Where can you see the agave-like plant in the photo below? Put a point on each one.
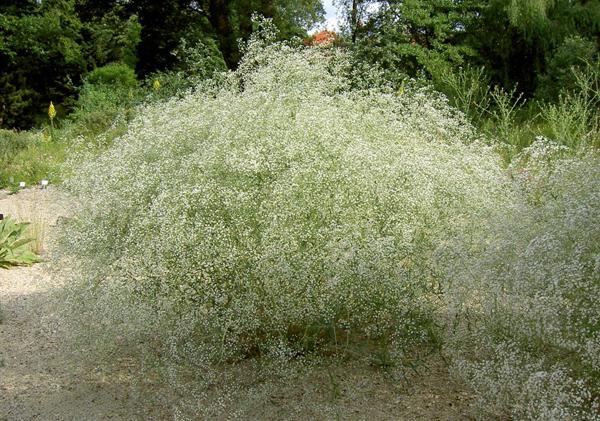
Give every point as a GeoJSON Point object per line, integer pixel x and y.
{"type": "Point", "coordinates": [13, 241]}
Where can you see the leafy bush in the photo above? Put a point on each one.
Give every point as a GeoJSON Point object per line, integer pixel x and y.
{"type": "Point", "coordinates": [200, 60]}
{"type": "Point", "coordinates": [196, 63]}
{"type": "Point", "coordinates": [279, 213]}
{"type": "Point", "coordinates": [571, 56]}
{"type": "Point", "coordinates": [524, 294]}
{"type": "Point", "coordinates": [105, 102]}
{"type": "Point", "coordinates": [13, 245]}
{"type": "Point", "coordinates": [574, 119]}
{"type": "Point", "coordinates": [115, 75]}
{"type": "Point", "coordinates": [98, 108]}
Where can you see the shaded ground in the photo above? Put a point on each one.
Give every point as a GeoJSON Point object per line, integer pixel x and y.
{"type": "Point", "coordinates": [42, 378]}
{"type": "Point", "coordinates": [39, 377]}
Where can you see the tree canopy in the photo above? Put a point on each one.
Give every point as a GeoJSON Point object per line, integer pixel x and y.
{"type": "Point", "coordinates": [47, 47]}
{"type": "Point", "coordinates": [520, 43]}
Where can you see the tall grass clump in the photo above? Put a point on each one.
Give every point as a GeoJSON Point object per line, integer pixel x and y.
{"type": "Point", "coordinates": [278, 213]}
{"type": "Point", "coordinates": [574, 120]}
{"type": "Point", "coordinates": [29, 157]}
{"type": "Point", "coordinates": [524, 293]}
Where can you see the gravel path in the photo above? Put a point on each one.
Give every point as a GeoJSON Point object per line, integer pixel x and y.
{"type": "Point", "coordinates": [39, 378]}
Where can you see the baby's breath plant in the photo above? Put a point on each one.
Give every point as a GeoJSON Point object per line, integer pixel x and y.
{"type": "Point", "coordinates": [279, 212]}
{"type": "Point", "coordinates": [524, 294]}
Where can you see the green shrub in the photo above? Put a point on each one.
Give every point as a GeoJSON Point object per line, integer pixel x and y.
{"type": "Point", "coordinates": [279, 213]}
{"type": "Point", "coordinates": [201, 60]}
{"type": "Point", "coordinates": [106, 102]}
{"type": "Point", "coordinates": [195, 64]}
{"type": "Point", "coordinates": [574, 119]}
{"type": "Point", "coordinates": [115, 75]}
{"type": "Point", "coordinates": [570, 120]}
{"type": "Point", "coordinates": [13, 245]}
{"type": "Point", "coordinates": [468, 89]}
{"type": "Point", "coordinates": [571, 56]}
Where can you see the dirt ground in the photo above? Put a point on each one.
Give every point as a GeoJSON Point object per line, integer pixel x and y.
{"type": "Point", "coordinates": [39, 379]}
{"type": "Point", "coordinates": [42, 378]}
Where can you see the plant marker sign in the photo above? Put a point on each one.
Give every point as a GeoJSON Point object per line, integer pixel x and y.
{"type": "Point", "coordinates": [44, 183]}
{"type": "Point", "coordinates": [22, 184]}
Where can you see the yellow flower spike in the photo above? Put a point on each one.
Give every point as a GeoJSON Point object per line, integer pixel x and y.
{"type": "Point", "coordinates": [51, 111]}
{"type": "Point", "coordinates": [156, 85]}
{"type": "Point", "coordinates": [401, 90]}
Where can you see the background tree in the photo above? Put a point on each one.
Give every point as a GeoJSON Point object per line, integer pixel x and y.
{"type": "Point", "coordinates": [41, 57]}
{"type": "Point", "coordinates": [518, 42]}
{"type": "Point", "coordinates": [47, 48]}
{"type": "Point", "coordinates": [406, 37]}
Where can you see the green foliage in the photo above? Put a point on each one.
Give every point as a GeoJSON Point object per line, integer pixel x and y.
{"type": "Point", "coordinates": [529, 14]}
{"type": "Point", "coordinates": [46, 48]}
{"type": "Point", "coordinates": [410, 37]}
{"type": "Point", "coordinates": [195, 64]}
{"type": "Point", "coordinates": [114, 75]}
{"type": "Point", "coordinates": [569, 58]}
{"type": "Point", "coordinates": [468, 89]}
{"type": "Point", "coordinates": [504, 115]}
{"type": "Point", "coordinates": [13, 142]}
{"type": "Point", "coordinates": [29, 157]}
{"type": "Point", "coordinates": [199, 61]}
{"type": "Point", "coordinates": [102, 111]}
{"type": "Point", "coordinates": [528, 44]}
{"type": "Point", "coordinates": [45, 53]}
{"type": "Point", "coordinates": [39, 52]}
{"type": "Point", "coordinates": [106, 102]}
{"type": "Point", "coordinates": [573, 121]}
{"type": "Point", "coordinates": [517, 40]}
{"type": "Point", "coordinates": [13, 242]}
{"type": "Point", "coordinates": [112, 38]}
{"type": "Point", "coordinates": [233, 20]}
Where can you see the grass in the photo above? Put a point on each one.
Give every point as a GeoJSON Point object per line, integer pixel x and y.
{"type": "Point", "coordinates": [30, 157]}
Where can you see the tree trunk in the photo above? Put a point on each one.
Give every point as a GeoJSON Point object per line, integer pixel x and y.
{"type": "Point", "coordinates": [354, 19]}
{"type": "Point", "coordinates": [219, 19]}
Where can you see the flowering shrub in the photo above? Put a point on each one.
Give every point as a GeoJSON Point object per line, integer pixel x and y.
{"type": "Point", "coordinates": [524, 294]}
{"type": "Point", "coordinates": [279, 212]}
{"type": "Point", "coordinates": [292, 207]}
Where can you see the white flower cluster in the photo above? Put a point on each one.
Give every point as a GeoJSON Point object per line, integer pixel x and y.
{"type": "Point", "coordinates": [284, 209]}
{"type": "Point", "coordinates": [526, 289]}
{"type": "Point", "coordinates": [281, 212]}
